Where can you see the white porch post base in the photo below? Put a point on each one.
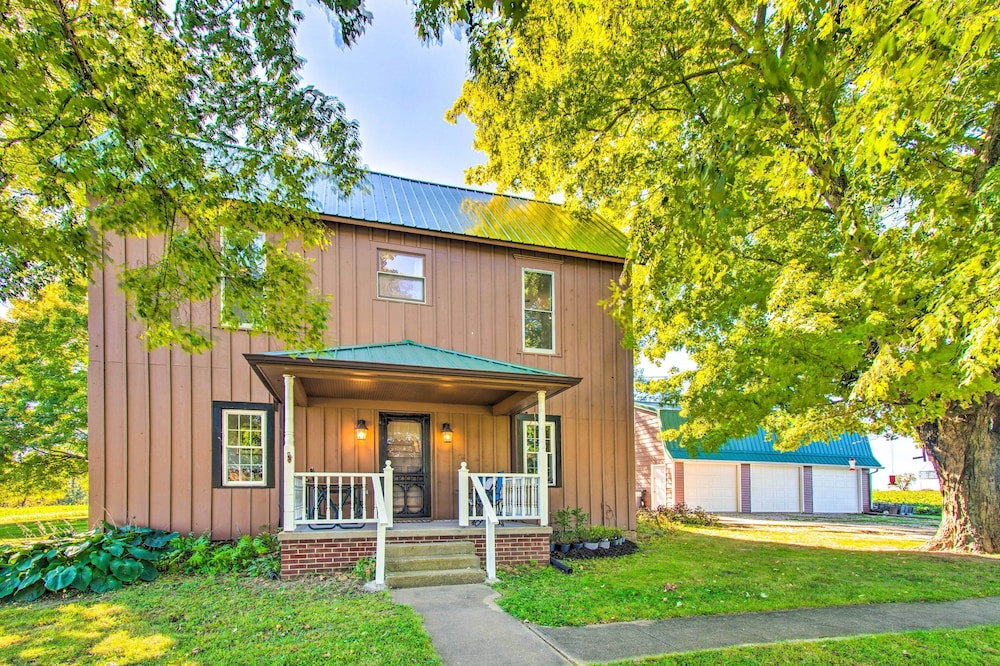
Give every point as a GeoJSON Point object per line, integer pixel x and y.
{"type": "Point", "coordinates": [491, 552]}
{"type": "Point", "coordinates": [463, 495]}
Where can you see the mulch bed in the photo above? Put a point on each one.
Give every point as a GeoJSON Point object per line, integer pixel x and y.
{"type": "Point", "coordinates": [626, 548]}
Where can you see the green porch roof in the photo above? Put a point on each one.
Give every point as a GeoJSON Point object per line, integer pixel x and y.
{"type": "Point", "coordinates": [410, 353]}
{"type": "Point", "coordinates": [407, 371]}
{"type": "Point", "coordinates": [415, 204]}
{"type": "Point", "coordinates": [758, 448]}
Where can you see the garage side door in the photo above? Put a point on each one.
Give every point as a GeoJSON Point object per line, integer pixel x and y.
{"type": "Point", "coordinates": [774, 488]}
{"type": "Point", "coordinates": [712, 487]}
{"type": "Point", "coordinates": [835, 490]}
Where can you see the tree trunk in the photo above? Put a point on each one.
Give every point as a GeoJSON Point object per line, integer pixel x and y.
{"type": "Point", "coordinates": [965, 448]}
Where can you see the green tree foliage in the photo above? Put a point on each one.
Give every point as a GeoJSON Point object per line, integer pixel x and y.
{"type": "Point", "coordinates": [124, 118]}
{"type": "Point", "coordinates": [811, 192]}
{"type": "Point", "coordinates": [43, 390]}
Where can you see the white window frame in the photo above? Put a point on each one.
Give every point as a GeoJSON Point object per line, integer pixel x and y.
{"type": "Point", "coordinates": [525, 310]}
{"type": "Point", "coordinates": [224, 320]}
{"type": "Point", "coordinates": [264, 429]}
{"type": "Point", "coordinates": [422, 278]}
{"type": "Point", "coordinates": [527, 451]}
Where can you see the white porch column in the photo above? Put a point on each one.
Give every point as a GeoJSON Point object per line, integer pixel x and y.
{"type": "Point", "coordinates": [543, 464]}
{"type": "Point", "coordinates": [288, 457]}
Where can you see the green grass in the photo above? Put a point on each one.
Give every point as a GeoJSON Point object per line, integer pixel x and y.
{"type": "Point", "coordinates": [20, 524]}
{"type": "Point", "coordinates": [979, 645]}
{"type": "Point", "coordinates": [707, 571]}
{"type": "Point", "coordinates": [216, 620]}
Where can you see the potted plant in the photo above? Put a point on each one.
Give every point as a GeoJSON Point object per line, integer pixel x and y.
{"type": "Point", "coordinates": [617, 536]}
{"type": "Point", "coordinates": [579, 525]}
{"type": "Point", "coordinates": [562, 532]}
{"type": "Point", "coordinates": [604, 537]}
{"type": "Point", "coordinates": [591, 537]}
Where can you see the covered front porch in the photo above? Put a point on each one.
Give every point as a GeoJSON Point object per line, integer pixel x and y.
{"type": "Point", "coordinates": [412, 447]}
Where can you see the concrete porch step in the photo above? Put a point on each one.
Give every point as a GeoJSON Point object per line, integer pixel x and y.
{"type": "Point", "coordinates": [431, 562]}
{"type": "Point", "coordinates": [395, 550]}
{"type": "Point", "coordinates": [403, 579]}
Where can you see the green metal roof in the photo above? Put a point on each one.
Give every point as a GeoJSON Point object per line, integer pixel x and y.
{"type": "Point", "coordinates": [758, 448]}
{"type": "Point", "coordinates": [455, 210]}
{"type": "Point", "coordinates": [410, 353]}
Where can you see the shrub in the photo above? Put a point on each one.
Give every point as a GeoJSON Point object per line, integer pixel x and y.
{"type": "Point", "coordinates": [101, 560]}
{"type": "Point", "coordinates": [364, 570]}
{"type": "Point", "coordinates": [664, 517]}
{"type": "Point", "coordinates": [253, 556]}
{"type": "Point", "coordinates": [924, 502]}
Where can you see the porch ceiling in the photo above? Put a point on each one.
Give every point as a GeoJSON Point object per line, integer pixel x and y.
{"type": "Point", "coordinates": [504, 392]}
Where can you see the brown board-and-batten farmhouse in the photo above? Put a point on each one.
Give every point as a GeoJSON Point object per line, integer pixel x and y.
{"type": "Point", "coordinates": [459, 321]}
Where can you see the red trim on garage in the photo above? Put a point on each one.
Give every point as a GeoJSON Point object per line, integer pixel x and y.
{"type": "Point", "coordinates": [678, 483]}
{"type": "Point", "coordinates": [807, 489]}
{"type": "Point", "coordinates": [745, 488]}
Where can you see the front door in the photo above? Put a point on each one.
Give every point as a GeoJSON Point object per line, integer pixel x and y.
{"type": "Point", "coordinates": [404, 439]}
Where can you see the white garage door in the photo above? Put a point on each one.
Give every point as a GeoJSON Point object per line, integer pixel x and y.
{"type": "Point", "coordinates": [835, 490]}
{"type": "Point", "coordinates": [712, 487]}
{"type": "Point", "coordinates": [774, 488]}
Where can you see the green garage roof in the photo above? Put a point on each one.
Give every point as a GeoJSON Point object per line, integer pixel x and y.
{"type": "Point", "coordinates": [758, 448]}
{"type": "Point", "coordinates": [455, 210]}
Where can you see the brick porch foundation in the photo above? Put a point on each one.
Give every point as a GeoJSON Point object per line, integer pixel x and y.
{"type": "Point", "coordinates": [309, 552]}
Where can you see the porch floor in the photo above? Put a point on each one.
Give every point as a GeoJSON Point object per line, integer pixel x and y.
{"type": "Point", "coordinates": [412, 528]}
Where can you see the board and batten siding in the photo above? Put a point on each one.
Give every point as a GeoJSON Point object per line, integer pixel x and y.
{"type": "Point", "coordinates": [150, 413]}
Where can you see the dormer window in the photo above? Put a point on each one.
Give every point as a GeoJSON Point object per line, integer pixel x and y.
{"type": "Point", "coordinates": [401, 276]}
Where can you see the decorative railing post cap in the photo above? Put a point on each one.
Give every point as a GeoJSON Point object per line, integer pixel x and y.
{"type": "Point", "coordinates": [463, 465]}
{"type": "Point", "coordinates": [388, 464]}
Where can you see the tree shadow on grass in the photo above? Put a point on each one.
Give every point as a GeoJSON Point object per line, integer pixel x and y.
{"type": "Point", "coordinates": [59, 633]}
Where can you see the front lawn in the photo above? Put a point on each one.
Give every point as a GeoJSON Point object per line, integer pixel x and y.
{"type": "Point", "coordinates": [216, 620]}
{"type": "Point", "coordinates": [707, 571]}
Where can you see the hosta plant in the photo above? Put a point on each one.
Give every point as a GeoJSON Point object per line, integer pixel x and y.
{"type": "Point", "coordinates": [101, 560]}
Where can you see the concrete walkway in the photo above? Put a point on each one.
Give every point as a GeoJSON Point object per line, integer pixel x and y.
{"type": "Point", "coordinates": [467, 627]}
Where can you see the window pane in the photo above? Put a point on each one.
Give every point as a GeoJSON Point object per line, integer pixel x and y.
{"type": "Point", "coordinates": [405, 288]}
{"type": "Point", "coordinates": [243, 446]}
{"type": "Point", "coordinates": [538, 330]}
{"type": "Point", "coordinates": [537, 291]}
{"type": "Point", "coordinates": [400, 264]}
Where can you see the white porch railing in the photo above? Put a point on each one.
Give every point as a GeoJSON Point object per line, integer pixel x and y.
{"type": "Point", "coordinates": [339, 499]}
{"type": "Point", "coordinates": [511, 496]}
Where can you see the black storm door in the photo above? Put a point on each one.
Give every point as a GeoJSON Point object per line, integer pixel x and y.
{"type": "Point", "coordinates": [404, 439]}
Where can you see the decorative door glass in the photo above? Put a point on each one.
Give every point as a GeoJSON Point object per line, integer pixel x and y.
{"type": "Point", "coordinates": [405, 440]}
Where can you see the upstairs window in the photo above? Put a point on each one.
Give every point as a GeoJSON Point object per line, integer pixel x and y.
{"type": "Point", "coordinates": [401, 276]}
{"type": "Point", "coordinates": [539, 310]}
{"type": "Point", "coordinates": [243, 261]}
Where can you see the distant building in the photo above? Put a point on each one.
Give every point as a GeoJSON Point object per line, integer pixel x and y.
{"type": "Point", "coordinates": [747, 474]}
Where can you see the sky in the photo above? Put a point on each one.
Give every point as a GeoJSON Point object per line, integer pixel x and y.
{"type": "Point", "coordinates": [399, 90]}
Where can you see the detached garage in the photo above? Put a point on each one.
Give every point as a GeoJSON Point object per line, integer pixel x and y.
{"type": "Point", "coordinates": [747, 475]}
